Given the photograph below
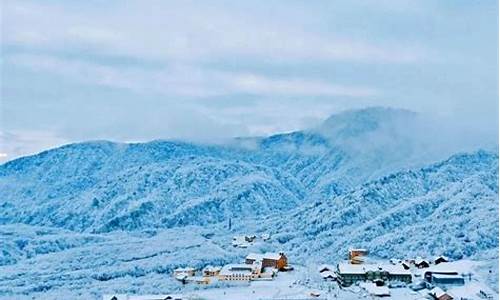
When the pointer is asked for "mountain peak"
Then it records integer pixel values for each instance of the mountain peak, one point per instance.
(355, 122)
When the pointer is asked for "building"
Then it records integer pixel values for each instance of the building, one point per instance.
(187, 271)
(324, 268)
(275, 260)
(440, 259)
(421, 263)
(250, 238)
(447, 279)
(356, 252)
(210, 271)
(328, 275)
(444, 277)
(439, 294)
(240, 272)
(348, 274)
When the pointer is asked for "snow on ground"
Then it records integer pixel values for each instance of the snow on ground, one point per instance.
(299, 284)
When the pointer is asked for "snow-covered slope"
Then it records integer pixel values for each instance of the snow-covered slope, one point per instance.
(448, 208)
(104, 186)
(96, 217)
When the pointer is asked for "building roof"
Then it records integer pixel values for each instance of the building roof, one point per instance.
(447, 276)
(328, 274)
(186, 269)
(211, 269)
(181, 277)
(267, 255)
(445, 258)
(419, 261)
(437, 292)
(345, 268)
(232, 269)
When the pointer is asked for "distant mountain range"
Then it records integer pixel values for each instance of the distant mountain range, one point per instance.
(104, 186)
(96, 217)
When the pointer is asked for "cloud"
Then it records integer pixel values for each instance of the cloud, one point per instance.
(181, 31)
(23, 142)
(183, 80)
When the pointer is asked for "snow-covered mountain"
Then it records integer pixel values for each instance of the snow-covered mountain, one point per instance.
(104, 186)
(93, 217)
(450, 207)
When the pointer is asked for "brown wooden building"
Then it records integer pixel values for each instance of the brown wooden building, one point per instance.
(273, 260)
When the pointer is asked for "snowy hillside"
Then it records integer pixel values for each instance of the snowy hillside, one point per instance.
(96, 217)
(450, 207)
(103, 186)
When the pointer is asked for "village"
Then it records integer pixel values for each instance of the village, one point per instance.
(270, 275)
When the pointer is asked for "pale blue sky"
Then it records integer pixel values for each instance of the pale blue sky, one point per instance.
(209, 70)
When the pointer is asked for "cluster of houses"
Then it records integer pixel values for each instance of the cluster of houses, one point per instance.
(244, 241)
(256, 267)
(378, 277)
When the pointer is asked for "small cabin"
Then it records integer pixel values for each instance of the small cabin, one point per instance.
(440, 259)
(421, 263)
(439, 294)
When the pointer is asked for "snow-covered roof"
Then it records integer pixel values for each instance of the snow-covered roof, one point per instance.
(445, 258)
(267, 255)
(237, 269)
(437, 292)
(212, 269)
(323, 268)
(375, 290)
(447, 276)
(181, 277)
(345, 268)
(186, 269)
(444, 268)
(328, 274)
(358, 249)
(419, 260)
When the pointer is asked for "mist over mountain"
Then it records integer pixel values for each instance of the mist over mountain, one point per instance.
(104, 186)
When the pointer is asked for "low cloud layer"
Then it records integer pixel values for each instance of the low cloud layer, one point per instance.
(207, 71)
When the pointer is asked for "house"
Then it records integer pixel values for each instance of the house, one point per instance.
(250, 238)
(405, 265)
(328, 275)
(188, 271)
(447, 279)
(439, 294)
(440, 259)
(357, 260)
(240, 272)
(210, 271)
(357, 252)
(324, 268)
(421, 263)
(275, 260)
(443, 276)
(181, 277)
(348, 274)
